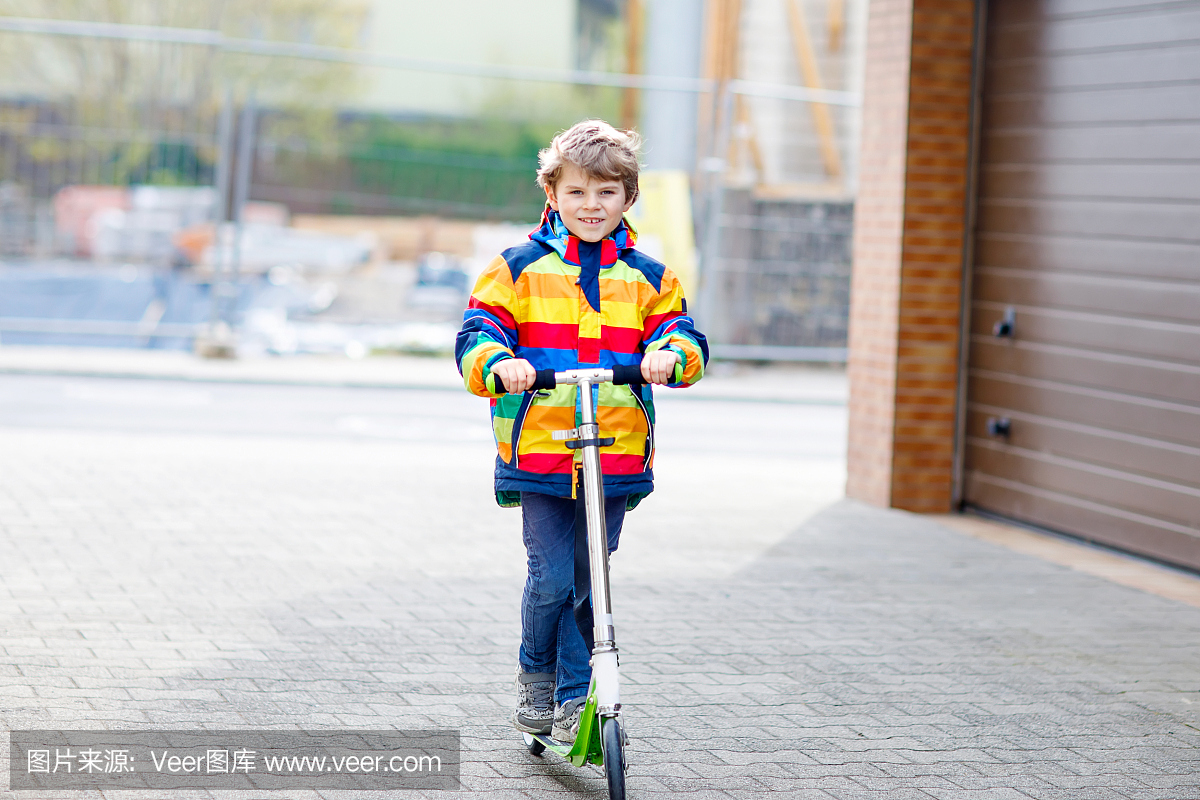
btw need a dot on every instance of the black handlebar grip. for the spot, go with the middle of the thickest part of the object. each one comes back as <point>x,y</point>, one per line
<point>544,380</point>
<point>627,375</point>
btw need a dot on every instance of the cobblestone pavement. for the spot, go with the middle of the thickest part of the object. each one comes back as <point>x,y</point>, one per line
<point>186,556</point>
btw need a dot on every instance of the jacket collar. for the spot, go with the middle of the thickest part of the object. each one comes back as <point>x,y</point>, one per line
<point>554,234</point>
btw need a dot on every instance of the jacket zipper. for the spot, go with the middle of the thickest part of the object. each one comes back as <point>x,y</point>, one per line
<point>649,427</point>
<point>519,425</point>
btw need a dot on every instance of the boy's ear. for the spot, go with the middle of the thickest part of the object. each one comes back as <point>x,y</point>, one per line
<point>629,203</point>
<point>550,196</point>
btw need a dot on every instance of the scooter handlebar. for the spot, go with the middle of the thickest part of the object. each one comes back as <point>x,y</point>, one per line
<point>622,375</point>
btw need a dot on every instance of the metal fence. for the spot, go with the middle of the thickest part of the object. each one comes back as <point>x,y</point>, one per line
<point>783,276</point>
<point>381,165</point>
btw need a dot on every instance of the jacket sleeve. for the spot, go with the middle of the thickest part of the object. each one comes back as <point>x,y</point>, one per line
<point>489,330</point>
<point>668,326</point>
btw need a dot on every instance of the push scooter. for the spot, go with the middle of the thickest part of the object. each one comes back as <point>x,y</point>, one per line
<point>601,740</point>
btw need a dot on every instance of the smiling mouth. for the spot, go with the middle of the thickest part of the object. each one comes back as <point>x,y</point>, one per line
<point>591,220</point>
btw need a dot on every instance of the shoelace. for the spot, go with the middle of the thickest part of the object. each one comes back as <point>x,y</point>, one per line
<point>539,694</point>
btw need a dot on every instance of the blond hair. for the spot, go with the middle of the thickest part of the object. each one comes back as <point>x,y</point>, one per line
<point>597,148</point>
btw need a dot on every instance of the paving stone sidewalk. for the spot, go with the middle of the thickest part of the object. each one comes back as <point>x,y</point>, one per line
<point>869,654</point>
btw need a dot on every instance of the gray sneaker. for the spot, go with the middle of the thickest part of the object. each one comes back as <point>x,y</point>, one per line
<point>566,720</point>
<point>535,702</point>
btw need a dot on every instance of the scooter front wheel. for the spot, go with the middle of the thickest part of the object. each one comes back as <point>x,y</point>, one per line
<point>536,748</point>
<point>613,744</point>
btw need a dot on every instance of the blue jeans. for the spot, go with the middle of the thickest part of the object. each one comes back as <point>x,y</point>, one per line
<point>550,639</point>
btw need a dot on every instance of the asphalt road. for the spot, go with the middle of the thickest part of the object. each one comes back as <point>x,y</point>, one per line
<point>757,467</point>
<point>686,424</point>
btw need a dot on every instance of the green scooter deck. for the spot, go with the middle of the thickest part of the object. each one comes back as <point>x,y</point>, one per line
<point>587,743</point>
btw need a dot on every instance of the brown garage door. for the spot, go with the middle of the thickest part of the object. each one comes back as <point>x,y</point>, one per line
<point>1088,228</point>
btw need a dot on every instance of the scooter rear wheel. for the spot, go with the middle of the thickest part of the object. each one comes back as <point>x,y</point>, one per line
<point>613,744</point>
<point>536,748</point>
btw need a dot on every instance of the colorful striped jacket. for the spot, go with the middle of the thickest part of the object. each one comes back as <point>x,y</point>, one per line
<point>562,303</point>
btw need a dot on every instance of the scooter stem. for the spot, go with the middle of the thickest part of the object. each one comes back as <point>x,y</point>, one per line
<point>605,676</point>
<point>593,493</point>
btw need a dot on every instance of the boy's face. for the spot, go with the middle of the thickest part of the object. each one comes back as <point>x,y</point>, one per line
<point>590,207</point>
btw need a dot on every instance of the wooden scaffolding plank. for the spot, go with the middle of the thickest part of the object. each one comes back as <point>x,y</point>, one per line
<point>810,73</point>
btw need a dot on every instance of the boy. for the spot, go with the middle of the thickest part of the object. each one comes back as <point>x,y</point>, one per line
<point>576,295</point>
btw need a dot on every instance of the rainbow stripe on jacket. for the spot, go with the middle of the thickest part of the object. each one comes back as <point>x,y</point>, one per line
<point>562,303</point>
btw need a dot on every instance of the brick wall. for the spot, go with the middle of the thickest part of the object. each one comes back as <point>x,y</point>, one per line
<point>878,226</point>
<point>908,253</point>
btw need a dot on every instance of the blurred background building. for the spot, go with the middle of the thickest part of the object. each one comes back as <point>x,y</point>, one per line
<point>288,168</point>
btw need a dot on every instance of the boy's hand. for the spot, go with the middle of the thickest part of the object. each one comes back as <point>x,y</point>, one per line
<point>517,374</point>
<point>659,366</point>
